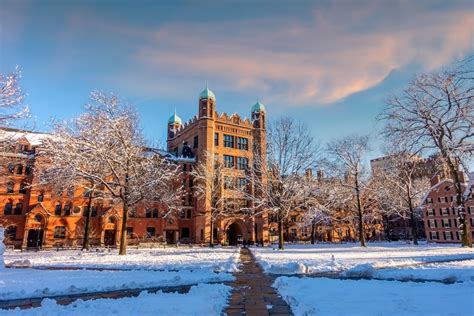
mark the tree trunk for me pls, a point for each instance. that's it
(313, 232)
(123, 235)
(466, 239)
(414, 231)
(211, 238)
(281, 244)
(360, 212)
(85, 244)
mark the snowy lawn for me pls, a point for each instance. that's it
(203, 299)
(138, 269)
(457, 271)
(307, 259)
(213, 259)
(322, 296)
(26, 283)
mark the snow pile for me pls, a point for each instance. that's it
(322, 258)
(24, 283)
(203, 299)
(2, 248)
(196, 258)
(365, 270)
(322, 296)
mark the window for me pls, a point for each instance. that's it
(229, 161)
(430, 212)
(243, 143)
(293, 219)
(85, 211)
(185, 232)
(242, 163)
(11, 168)
(150, 232)
(148, 213)
(216, 139)
(10, 233)
(434, 235)
(228, 141)
(228, 183)
(242, 183)
(446, 222)
(67, 209)
(155, 213)
(59, 232)
(23, 187)
(18, 208)
(28, 170)
(429, 200)
(448, 236)
(8, 208)
(41, 197)
(10, 187)
(129, 231)
(57, 210)
(293, 232)
(195, 142)
(444, 211)
(19, 169)
(431, 223)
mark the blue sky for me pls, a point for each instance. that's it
(329, 63)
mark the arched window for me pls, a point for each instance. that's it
(111, 220)
(19, 169)
(148, 213)
(8, 208)
(10, 186)
(18, 208)
(155, 213)
(11, 168)
(57, 210)
(41, 196)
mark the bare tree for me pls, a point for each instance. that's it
(436, 112)
(401, 184)
(11, 98)
(291, 151)
(209, 185)
(346, 163)
(69, 162)
(134, 174)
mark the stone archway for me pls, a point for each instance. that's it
(234, 234)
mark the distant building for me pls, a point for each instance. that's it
(440, 214)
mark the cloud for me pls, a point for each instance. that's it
(334, 51)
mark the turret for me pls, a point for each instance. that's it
(174, 123)
(207, 103)
(258, 115)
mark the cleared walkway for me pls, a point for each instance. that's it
(252, 292)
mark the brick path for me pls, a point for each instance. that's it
(252, 292)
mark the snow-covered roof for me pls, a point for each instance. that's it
(33, 138)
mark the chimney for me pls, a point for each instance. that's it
(320, 175)
(309, 173)
(435, 180)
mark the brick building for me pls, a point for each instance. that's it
(232, 141)
(440, 215)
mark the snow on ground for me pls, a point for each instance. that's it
(214, 259)
(307, 259)
(26, 283)
(322, 296)
(457, 271)
(203, 299)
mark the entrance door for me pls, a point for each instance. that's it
(234, 234)
(109, 237)
(35, 238)
(170, 237)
